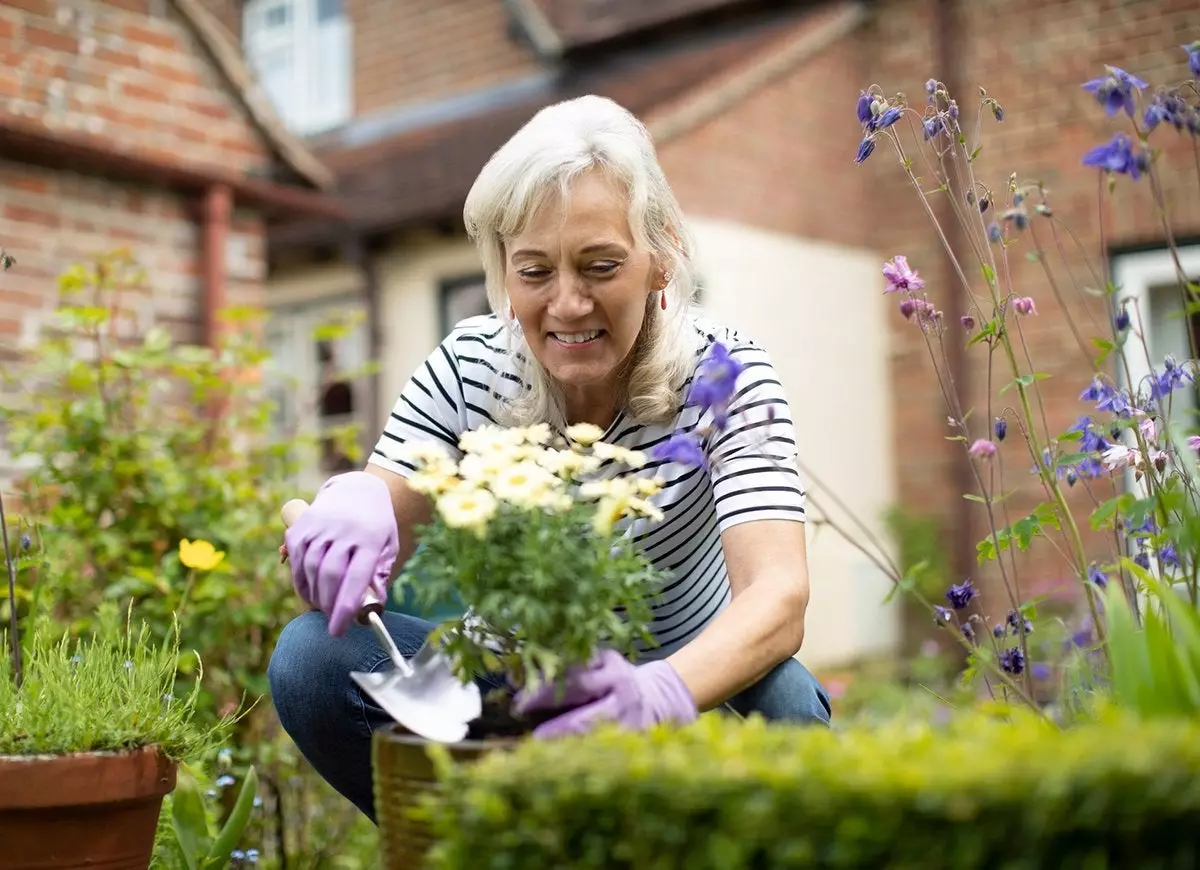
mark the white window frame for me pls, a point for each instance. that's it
(294, 371)
(1136, 276)
(316, 93)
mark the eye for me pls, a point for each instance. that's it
(533, 273)
(604, 267)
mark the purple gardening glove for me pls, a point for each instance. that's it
(611, 689)
(343, 545)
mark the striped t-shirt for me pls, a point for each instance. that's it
(752, 473)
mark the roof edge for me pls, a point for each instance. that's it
(536, 24)
(705, 102)
(290, 147)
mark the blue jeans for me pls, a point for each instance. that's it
(331, 720)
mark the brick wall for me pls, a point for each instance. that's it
(410, 51)
(765, 163)
(131, 74)
(782, 159)
(1032, 56)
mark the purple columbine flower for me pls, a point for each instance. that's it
(968, 631)
(886, 118)
(26, 542)
(967, 321)
(901, 278)
(863, 108)
(942, 615)
(1142, 560)
(1000, 428)
(1097, 576)
(908, 307)
(1168, 555)
(1024, 305)
(1017, 621)
(933, 126)
(982, 449)
(1193, 53)
(681, 447)
(1012, 661)
(999, 631)
(1118, 156)
(1039, 671)
(865, 147)
(1121, 321)
(1115, 90)
(960, 594)
(715, 382)
(995, 233)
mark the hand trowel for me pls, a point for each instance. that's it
(421, 693)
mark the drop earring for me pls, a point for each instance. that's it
(662, 300)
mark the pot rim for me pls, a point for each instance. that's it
(397, 733)
(99, 753)
(41, 782)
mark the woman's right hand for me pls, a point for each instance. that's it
(344, 545)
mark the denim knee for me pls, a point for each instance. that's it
(788, 693)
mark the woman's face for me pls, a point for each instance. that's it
(578, 284)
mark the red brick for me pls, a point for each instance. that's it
(51, 39)
(43, 8)
(136, 33)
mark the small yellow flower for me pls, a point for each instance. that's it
(433, 480)
(585, 434)
(566, 463)
(199, 555)
(632, 458)
(608, 512)
(539, 433)
(523, 484)
(423, 452)
(490, 439)
(467, 507)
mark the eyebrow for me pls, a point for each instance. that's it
(588, 249)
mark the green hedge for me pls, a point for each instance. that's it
(725, 794)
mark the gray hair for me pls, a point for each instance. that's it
(558, 144)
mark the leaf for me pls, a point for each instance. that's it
(188, 817)
(989, 274)
(1024, 381)
(235, 825)
(1106, 347)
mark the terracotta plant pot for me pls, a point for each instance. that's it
(403, 773)
(94, 810)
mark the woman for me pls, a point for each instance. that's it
(590, 281)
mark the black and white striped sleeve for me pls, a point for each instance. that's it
(753, 461)
(429, 409)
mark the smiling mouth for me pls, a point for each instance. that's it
(578, 338)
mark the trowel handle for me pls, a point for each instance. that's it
(289, 514)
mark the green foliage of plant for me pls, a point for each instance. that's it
(112, 690)
(140, 443)
(135, 442)
(725, 795)
(548, 580)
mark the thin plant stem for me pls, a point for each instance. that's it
(14, 626)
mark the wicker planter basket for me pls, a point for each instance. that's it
(403, 773)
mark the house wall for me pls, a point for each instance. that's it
(410, 51)
(132, 75)
(832, 362)
(1033, 57)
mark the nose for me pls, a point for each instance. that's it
(571, 300)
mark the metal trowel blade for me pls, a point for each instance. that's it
(420, 714)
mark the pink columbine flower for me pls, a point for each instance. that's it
(1117, 455)
(1024, 305)
(982, 449)
(1193, 441)
(900, 278)
(1148, 428)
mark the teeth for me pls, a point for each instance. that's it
(576, 337)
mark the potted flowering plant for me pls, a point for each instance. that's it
(535, 532)
(92, 735)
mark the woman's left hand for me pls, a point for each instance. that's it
(611, 689)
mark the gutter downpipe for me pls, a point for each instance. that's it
(947, 36)
(216, 212)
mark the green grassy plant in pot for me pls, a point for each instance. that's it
(91, 732)
(536, 533)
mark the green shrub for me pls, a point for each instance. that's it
(979, 793)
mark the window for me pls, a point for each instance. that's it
(462, 298)
(300, 50)
(319, 357)
(1148, 287)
